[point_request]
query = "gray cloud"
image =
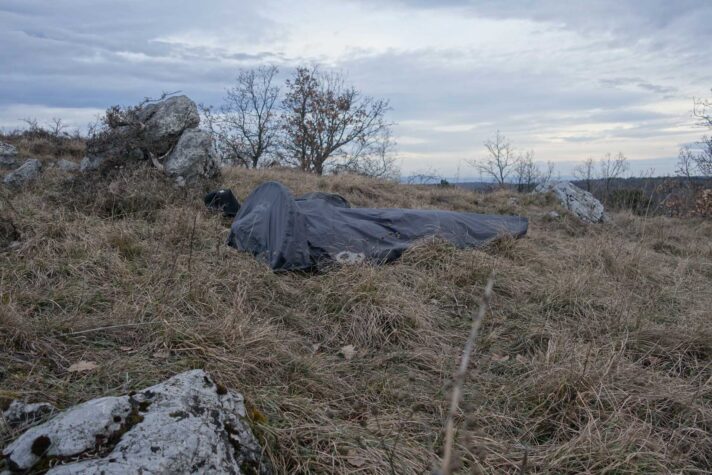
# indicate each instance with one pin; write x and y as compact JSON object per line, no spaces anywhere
{"x":602,"y":74}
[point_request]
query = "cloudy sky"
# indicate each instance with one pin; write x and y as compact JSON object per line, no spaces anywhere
{"x":567,"y":79}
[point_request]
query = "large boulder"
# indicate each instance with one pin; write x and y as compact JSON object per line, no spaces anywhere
{"x":192,"y":156}
{"x":164,"y":121}
{"x":8,"y":155}
{"x":164,"y":132}
{"x":187,"y":424}
{"x":27,"y":172}
{"x":579,"y":202}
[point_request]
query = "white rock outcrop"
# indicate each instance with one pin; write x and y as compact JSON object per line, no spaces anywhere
{"x":579,"y":202}
{"x":166,"y":120}
{"x":192,"y":156}
{"x":187,"y":424}
{"x":20,"y":413}
{"x":166,"y":132}
{"x":91,"y":163}
{"x":7,"y":150}
{"x":26,"y":172}
{"x":8,"y":155}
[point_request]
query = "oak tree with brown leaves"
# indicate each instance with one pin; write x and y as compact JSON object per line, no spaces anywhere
{"x":326,"y":122}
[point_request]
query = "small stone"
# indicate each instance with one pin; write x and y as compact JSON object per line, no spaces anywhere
{"x":7,"y":161}
{"x":7,"y":150}
{"x":27,"y":172}
{"x":67,"y":165}
{"x":91,"y":163}
{"x":348,"y":352}
{"x":348,"y":257}
{"x":553,"y":215}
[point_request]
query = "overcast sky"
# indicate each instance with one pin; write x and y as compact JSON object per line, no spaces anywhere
{"x":567,"y":79}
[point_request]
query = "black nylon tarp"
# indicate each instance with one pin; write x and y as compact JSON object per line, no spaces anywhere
{"x":299,"y":234}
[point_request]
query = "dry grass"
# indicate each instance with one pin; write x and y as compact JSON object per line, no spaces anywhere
{"x":595,"y":357}
{"x":45,"y":146}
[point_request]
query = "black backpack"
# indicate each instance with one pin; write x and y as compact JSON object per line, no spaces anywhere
{"x":223,"y":201}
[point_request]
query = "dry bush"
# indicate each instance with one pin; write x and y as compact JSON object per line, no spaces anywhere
{"x":703,"y":203}
{"x":595,"y":356}
{"x":45,"y":145}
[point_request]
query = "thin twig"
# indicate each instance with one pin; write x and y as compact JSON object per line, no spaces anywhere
{"x":110,"y":327}
{"x":192,"y":235}
{"x":459,"y":379}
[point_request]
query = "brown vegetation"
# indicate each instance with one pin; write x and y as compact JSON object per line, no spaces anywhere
{"x":45,"y":144}
{"x":595,"y":355}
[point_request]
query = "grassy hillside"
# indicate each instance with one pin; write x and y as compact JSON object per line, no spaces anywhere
{"x":596,"y":355}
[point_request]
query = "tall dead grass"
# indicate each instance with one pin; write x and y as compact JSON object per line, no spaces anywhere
{"x":595,"y":356}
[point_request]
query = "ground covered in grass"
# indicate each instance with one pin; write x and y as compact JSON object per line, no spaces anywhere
{"x":596,"y":355}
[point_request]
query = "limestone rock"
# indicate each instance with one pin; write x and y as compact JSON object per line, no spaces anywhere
{"x":7,"y":162}
{"x":27,"y":172}
{"x":7,"y":150}
{"x":580,"y":202}
{"x":67,"y":165}
{"x":91,"y":163}
{"x":8,"y":155}
{"x":166,"y":120}
{"x":192,"y":156}
{"x":187,"y":424}
{"x":20,"y":413}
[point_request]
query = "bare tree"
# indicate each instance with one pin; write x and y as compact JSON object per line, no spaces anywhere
{"x":698,"y":159}
{"x":324,"y":121}
{"x":686,"y":163}
{"x":548,"y":173}
{"x":702,"y":109}
{"x":32,"y":124}
{"x":610,"y":168}
{"x":704,"y":157}
{"x":528,"y":174}
{"x":500,"y":160}
{"x":57,"y":127}
{"x":585,"y":172}
{"x":376,"y":160}
{"x":245,"y":127}
{"x":425,"y":177}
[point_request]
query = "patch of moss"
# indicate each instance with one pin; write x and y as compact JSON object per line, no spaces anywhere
{"x":255,"y":415}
